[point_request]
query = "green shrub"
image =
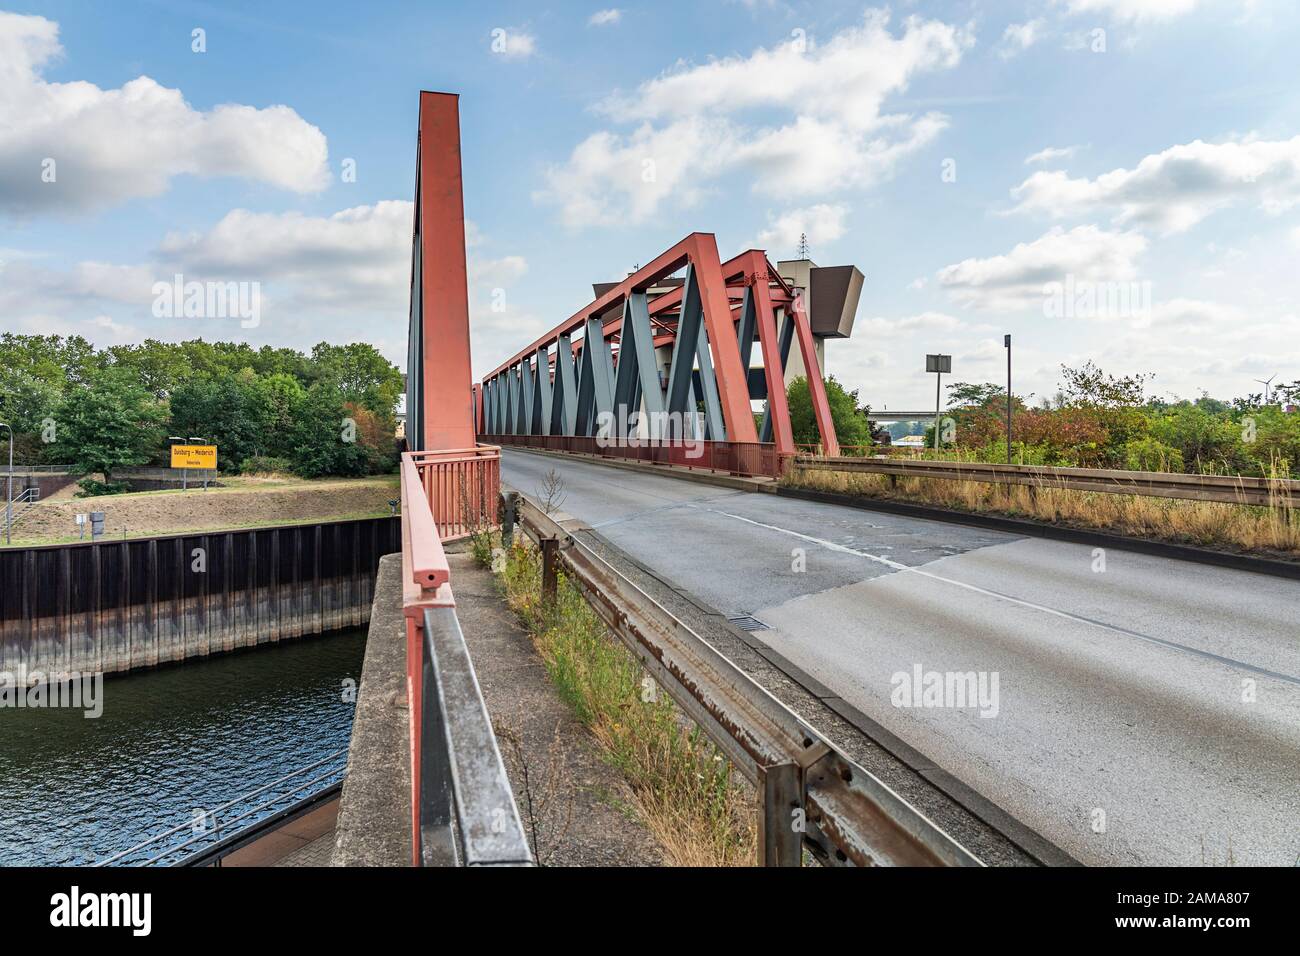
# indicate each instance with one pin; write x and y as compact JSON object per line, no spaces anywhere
{"x":93,"y":488}
{"x":1148,"y":454}
{"x":266,"y":465}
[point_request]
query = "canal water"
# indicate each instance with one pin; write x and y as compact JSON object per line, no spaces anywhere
{"x":170,"y":742}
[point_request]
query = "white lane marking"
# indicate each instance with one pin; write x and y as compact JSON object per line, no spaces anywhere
{"x":998,"y":595}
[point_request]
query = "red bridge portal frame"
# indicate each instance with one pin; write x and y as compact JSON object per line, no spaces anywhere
{"x":569,"y":393}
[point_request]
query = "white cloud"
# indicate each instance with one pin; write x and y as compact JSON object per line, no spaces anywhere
{"x":694,"y":123}
{"x":109,"y":146}
{"x":822,"y":224}
{"x":339,"y":277}
{"x":1133,"y":10}
{"x":922,"y":322}
{"x":1016,"y":280}
{"x":603,"y":18}
{"x":1173,"y":190}
{"x":1051,"y":154}
{"x":358,"y":256}
{"x":512,"y":44}
{"x":1019,"y":37}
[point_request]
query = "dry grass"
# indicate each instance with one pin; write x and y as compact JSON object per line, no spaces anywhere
{"x":682,"y":786}
{"x":1202,"y":523}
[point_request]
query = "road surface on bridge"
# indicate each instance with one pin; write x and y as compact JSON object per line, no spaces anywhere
{"x":1147,"y":711}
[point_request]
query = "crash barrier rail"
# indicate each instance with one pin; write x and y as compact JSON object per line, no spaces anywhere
{"x":1231,"y":489}
{"x":746,"y":459}
{"x":232,"y":824}
{"x":461,"y":486}
{"x":810,"y":794}
{"x":463,"y":810}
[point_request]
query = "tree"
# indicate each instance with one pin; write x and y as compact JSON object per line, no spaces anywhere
{"x":110,"y":423}
{"x":325,"y":436}
{"x":360,"y":373}
{"x":233,"y":412}
{"x":850,"y":420}
{"x":1089,"y":385}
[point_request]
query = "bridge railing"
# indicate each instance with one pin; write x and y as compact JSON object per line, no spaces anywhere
{"x":463,"y":810}
{"x":746,"y":459}
{"x":1229,"y":489}
{"x":461,"y":486}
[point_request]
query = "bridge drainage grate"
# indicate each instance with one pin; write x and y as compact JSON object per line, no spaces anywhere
{"x":747,"y":622}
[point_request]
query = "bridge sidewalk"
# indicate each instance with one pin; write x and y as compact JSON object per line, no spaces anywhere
{"x":571,"y":801}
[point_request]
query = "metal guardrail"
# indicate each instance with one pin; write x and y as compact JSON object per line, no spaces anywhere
{"x":467,"y":812}
{"x":463,"y":810}
{"x":181,"y":844}
{"x":810,"y":793}
{"x":1230,"y":489}
{"x":34,"y":469}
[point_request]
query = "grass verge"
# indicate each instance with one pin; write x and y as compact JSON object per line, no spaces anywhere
{"x":682,"y":786}
{"x":1210,"y":524}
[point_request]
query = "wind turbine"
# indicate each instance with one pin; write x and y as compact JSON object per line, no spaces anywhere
{"x":1267,"y":387}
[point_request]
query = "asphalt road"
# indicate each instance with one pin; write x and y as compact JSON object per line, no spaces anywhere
{"x":1145,"y":710}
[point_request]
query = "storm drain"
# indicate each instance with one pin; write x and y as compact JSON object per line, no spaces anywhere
{"x":747,"y":622}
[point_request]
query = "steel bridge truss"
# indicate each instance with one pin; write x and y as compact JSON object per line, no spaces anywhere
{"x":597,"y":373}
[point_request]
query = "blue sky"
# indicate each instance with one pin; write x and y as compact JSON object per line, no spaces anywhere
{"x":1165,"y":137}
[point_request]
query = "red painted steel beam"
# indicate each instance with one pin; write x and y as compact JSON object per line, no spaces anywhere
{"x":770,"y":344}
{"x":665,"y":264}
{"x":816,"y":387}
{"x":733,"y":271}
{"x":732,"y":379}
{"x":444,"y":301}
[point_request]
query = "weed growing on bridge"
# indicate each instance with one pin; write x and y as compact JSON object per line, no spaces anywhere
{"x":682,"y":786}
{"x":1204,"y":523}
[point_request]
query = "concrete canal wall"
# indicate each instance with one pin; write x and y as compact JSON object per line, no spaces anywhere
{"x":121,"y":605}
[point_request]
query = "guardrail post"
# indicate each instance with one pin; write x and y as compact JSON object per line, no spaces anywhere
{"x":509,"y":515}
{"x":550,"y":551}
{"x":781,"y":819}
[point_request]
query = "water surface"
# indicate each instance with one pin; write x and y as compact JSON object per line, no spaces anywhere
{"x":170,"y":741}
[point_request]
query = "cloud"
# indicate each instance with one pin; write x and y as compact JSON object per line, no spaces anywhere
{"x":1133,"y":10}
{"x":922,"y":322}
{"x":1015,"y":281}
{"x":512,"y":44}
{"x":1019,"y":37}
{"x":358,"y":256}
{"x":336,"y":277}
{"x":603,"y":18}
{"x":1050,"y":154}
{"x":110,"y":146}
{"x":822,"y":224}
{"x":695,"y":123}
{"x":1173,"y":190}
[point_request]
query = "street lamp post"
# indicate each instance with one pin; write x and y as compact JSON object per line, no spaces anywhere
{"x":9,"y":494}
{"x":174,"y":439}
{"x":199,"y":440}
{"x":937,"y":364}
{"x":1006,"y":341}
